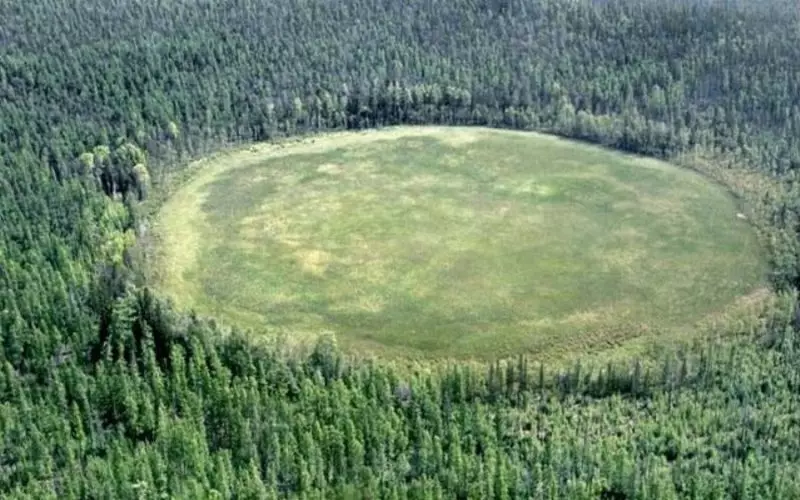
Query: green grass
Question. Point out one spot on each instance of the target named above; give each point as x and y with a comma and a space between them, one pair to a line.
456, 242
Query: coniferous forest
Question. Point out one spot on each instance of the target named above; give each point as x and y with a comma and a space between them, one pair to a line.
107, 391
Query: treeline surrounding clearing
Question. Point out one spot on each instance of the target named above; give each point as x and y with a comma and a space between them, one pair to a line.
107, 392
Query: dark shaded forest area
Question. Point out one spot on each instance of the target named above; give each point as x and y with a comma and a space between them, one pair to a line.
107, 392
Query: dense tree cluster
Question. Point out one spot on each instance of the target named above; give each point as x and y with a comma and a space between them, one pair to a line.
106, 392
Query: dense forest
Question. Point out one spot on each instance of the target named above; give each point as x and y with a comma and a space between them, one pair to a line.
108, 392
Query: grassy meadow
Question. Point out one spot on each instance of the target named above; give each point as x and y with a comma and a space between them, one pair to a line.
456, 242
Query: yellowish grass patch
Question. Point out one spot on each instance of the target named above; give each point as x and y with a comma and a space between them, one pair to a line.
313, 261
330, 169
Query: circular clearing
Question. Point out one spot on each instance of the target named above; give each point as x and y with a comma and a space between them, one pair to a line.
457, 242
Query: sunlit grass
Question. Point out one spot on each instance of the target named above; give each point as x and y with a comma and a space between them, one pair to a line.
455, 242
